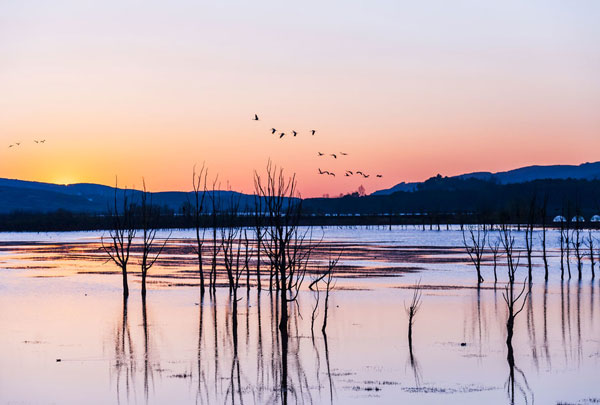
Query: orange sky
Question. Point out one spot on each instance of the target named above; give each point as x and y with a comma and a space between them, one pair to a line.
150, 88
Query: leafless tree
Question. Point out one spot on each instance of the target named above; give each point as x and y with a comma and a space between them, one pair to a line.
283, 207
121, 235
578, 244
149, 217
215, 201
328, 288
199, 185
529, 236
475, 246
544, 214
590, 243
411, 312
259, 232
495, 249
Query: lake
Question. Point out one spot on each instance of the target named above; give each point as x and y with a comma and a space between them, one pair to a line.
68, 336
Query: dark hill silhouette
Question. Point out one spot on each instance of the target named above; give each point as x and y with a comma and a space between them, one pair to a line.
585, 171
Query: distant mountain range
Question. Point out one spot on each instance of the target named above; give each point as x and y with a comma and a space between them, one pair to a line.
31, 196
585, 171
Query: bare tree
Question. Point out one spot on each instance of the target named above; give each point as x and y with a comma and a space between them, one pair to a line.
411, 312
283, 213
121, 235
529, 236
149, 217
199, 185
543, 215
215, 201
495, 249
577, 244
590, 243
475, 246
328, 287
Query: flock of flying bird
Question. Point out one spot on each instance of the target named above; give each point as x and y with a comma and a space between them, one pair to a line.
348, 173
19, 143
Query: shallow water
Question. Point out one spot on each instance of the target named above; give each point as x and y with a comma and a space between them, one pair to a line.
59, 299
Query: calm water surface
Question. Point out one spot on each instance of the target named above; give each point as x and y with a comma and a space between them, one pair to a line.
60, 299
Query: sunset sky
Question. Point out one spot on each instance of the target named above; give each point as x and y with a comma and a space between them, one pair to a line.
407, 89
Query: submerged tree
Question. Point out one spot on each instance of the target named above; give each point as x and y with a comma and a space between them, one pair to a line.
543, 215
121, 235
475, 246
199, 185
411, 312
150, 215
590, 243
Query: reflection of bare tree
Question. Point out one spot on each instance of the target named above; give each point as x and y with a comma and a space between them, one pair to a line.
546, 345
148, 374
125, 364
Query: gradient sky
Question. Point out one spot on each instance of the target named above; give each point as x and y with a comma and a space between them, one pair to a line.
407, 89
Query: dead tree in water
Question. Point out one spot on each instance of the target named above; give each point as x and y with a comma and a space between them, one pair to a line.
121, 235
259, 232
590, 243
544, 214
215, 201
411, 312
529, 237
475, 246
328, 287
577, 244
199, 185
283, 213
495, 249
149, 217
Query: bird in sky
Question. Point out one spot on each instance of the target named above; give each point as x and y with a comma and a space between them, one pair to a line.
320, 154
17, 143
295, 133
347, 175
331, 174
378, 175
321, 171
359, 172
42, 141
350, 172
366, 176
334, 155
255, 118
10, 146
273, 130
343, 153
313, 131
281, 135
36, 141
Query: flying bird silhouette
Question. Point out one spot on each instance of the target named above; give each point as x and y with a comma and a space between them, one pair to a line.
295, 133
273, 130
281, 135
378, 175
347, 175
321, 172
313, 131
255, 118
334, 155
320, 154
10, 146
366, 176
342, 153
331, 174
349, 171
17, 143
359, 172
42, 141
